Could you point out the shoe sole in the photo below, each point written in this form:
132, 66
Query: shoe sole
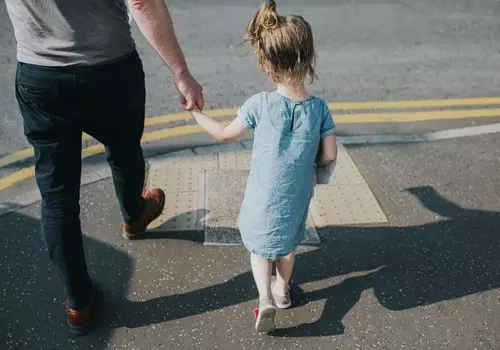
131, 237
283, 306
78, 331
265, 320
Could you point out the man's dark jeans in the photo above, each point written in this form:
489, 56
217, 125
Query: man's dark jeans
58, 104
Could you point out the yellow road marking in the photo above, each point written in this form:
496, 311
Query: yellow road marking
357, 118
414, 104
25, 153
345, 106
16, 156
29, 172
26, 173
406, 117
214, 113
92, 150
17, 177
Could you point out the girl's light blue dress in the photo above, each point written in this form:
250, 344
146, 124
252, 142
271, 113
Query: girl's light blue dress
287, 135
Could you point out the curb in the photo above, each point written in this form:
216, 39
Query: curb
104, 172
26, 199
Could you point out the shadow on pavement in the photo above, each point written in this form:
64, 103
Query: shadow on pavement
413, 266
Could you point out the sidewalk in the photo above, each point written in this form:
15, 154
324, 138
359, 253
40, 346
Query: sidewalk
204, 187
421, 274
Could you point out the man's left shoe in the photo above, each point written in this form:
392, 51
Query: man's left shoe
79, 321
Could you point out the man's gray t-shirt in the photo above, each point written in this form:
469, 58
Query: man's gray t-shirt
68, 32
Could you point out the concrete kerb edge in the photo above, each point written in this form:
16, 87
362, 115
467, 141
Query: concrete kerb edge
103, 172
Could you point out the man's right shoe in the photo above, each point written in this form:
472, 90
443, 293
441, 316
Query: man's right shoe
155, 202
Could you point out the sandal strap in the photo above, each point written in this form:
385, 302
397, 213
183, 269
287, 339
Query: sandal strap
286, 297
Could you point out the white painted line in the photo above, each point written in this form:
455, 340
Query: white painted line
420, 137
463, 132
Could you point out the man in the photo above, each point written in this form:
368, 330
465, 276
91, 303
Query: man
78, 71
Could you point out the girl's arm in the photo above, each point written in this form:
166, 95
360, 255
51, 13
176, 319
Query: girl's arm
226, 134
328, 151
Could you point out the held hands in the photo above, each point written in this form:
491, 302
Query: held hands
190, 92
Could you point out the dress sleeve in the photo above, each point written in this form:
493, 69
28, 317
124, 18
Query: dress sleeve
327, 124
249, 112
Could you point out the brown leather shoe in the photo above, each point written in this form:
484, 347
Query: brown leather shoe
79, 321
155, 202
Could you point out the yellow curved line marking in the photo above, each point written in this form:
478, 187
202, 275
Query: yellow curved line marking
25, 153
29, 172
358, 118
16, 156
17, 177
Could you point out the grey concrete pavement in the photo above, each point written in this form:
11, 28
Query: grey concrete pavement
427, 280
368, 50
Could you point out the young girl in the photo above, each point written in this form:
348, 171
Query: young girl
290, 127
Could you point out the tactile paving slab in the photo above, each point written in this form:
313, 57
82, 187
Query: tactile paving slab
347, 199
178, 177
180, 213
224, 191
235, 160
346, 172
345, 205
174, 178
204, 192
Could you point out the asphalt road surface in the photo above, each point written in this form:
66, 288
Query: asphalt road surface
427, 280
368, 50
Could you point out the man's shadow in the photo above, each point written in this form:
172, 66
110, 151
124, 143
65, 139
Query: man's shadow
410, 266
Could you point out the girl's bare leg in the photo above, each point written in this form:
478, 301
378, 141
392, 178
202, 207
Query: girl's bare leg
284, 269
262, 270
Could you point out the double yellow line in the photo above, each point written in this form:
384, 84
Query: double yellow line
400, 116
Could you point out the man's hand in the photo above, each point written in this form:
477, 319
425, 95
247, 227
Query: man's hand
190, 92
155, 22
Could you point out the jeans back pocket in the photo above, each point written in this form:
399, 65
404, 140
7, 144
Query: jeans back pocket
38, 90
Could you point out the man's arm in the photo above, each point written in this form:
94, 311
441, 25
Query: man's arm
154, 21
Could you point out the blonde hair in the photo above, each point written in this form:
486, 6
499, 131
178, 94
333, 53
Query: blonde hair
284, 45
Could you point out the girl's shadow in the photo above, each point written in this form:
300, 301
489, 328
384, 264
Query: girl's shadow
410, 266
